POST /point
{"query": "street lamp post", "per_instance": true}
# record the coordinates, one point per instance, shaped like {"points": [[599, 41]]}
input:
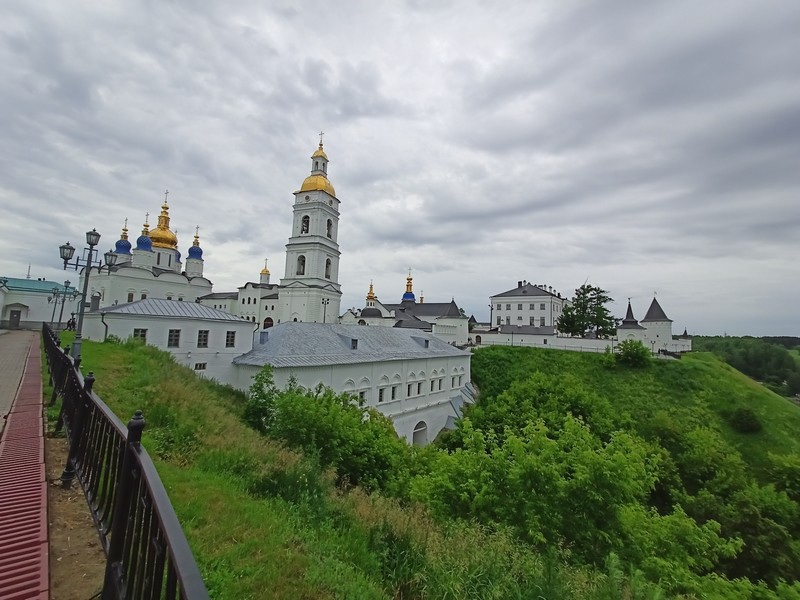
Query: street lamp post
{"points": [[64, 300], [67, 251], [325, 302], [63, 295]]}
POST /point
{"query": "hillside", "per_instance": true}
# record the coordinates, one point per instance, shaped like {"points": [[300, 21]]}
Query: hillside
{"points": [[700, 383], [553, 508]]}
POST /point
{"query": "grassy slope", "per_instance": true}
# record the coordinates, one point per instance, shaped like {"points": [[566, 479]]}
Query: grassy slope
{"points": [[698, 380], [260, 528]]}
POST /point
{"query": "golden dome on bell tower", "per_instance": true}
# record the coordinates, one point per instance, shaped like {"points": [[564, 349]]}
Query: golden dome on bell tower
{"points": [[318, 180]]}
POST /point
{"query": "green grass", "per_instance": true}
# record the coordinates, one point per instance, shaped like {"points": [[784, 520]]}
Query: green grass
{"points": [[266, 522], [699, 386]]}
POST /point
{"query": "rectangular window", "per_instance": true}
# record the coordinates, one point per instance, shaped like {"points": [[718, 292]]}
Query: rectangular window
{"points": [[545, 341], [541, 321], [532, 321], [452, 382], [408, 394], [441, 379], [541, 306], [533, 307], [433, 383], [380, 394], [202, 338], [519, 318], [174, 338], [130, 296], [460, 380], [419, 389], [230, 339], [144, 296], [169, 297], [362, 395], [354, 344], [519, 306], [199, 366], [508, 320], [508, 307], [140, 334], [499, 320], [394, 392], [499, 307]]}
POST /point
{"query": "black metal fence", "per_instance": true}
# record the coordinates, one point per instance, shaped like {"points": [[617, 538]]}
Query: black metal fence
{"points": [[148, 555]]}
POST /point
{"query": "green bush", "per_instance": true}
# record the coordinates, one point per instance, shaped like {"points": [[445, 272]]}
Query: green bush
{"points": [[633, 353], [744, 420]]}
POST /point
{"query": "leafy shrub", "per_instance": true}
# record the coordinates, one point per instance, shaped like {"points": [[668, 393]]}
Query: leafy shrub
{"points": [[633, 353], [744, 420], [112, 339]]}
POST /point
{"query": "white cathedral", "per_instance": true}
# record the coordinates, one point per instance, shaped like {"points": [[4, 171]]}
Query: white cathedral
{"points": [[407, 373]]}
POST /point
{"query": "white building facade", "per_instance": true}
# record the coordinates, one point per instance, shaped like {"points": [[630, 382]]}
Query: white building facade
{"points": [[204, 339], [27, 303], [527, 305], [418, 381]]}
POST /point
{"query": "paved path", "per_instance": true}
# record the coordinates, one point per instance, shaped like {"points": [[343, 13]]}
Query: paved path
{"points": [[14, 347], [23, 486]]}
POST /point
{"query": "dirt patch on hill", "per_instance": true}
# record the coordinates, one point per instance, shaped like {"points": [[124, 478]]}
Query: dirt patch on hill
{"points": [[77, 560]]}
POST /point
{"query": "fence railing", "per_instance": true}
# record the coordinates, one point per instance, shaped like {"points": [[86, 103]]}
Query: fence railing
{"points": [[147, 553]]}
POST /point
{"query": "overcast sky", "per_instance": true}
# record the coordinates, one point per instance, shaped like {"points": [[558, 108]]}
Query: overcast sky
{"points": [[639, 146]]}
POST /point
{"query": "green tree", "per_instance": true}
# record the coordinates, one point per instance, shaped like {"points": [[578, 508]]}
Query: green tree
{"points": [[633, 353], [588, 313]]}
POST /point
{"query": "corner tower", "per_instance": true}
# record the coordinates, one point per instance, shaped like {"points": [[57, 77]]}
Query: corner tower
{"points": [[310, 286]]}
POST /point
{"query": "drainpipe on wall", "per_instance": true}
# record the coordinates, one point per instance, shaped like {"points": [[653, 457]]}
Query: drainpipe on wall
{"points": [[103, 319]]}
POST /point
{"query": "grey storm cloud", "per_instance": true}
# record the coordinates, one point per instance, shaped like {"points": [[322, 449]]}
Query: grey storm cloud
{"points": [[644, 146]]}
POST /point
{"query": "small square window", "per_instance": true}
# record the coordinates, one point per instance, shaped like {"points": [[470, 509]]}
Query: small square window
{"points": [[541, 306], [230, 339], [519, 318], [499, 307], [519, 306], [508, 307], [174, 338], [532, 307], [200, 366], [140, 334], [202, 338], [144, 296]]}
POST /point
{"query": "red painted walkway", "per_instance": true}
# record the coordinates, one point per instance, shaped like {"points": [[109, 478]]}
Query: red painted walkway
{"points": [[24, 567]]}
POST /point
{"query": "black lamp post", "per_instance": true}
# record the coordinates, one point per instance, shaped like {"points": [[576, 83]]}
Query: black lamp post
{"points": [[67, 251], [63, 295], [325, 302]]}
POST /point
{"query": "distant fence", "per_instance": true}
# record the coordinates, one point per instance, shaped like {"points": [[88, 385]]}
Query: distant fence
{"points": [[147, 553]]}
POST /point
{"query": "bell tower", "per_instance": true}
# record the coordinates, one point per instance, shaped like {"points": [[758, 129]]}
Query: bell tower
{"points": [[310, 290]]}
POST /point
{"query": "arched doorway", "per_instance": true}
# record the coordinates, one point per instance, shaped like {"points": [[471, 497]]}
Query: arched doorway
{"points": [[478, 340], [420, 435], [268, 323]]}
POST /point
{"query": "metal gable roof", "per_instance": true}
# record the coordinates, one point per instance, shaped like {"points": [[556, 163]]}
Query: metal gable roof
{"points": [[156, 307], [320, 344]]}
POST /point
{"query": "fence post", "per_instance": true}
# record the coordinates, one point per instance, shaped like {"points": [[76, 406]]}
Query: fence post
{"points": [[122, 510], [79, 416]]}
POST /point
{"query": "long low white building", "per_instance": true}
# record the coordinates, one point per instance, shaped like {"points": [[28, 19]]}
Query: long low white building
{"points": [[417, 380], [202, 338]]}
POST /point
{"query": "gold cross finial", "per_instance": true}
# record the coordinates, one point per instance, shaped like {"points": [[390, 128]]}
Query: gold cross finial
{"points": [[166, 194], [147, 218], [321, 133]]}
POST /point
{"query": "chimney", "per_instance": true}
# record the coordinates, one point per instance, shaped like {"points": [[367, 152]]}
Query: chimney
{"points": [[519, 284]]}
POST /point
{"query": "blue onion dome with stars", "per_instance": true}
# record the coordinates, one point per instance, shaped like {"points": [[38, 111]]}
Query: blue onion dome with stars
{"points": [[123, 245], [195, 251], [143, 242]]}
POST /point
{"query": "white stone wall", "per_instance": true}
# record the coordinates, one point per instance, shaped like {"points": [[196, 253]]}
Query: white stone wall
{"points": [[116, 287], [406, 411], [570, 343], [36, 309], [217, 357]]}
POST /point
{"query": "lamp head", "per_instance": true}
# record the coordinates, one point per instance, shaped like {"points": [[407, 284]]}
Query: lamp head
{"points": [[111, 258], [66, 251], [92, 237]]}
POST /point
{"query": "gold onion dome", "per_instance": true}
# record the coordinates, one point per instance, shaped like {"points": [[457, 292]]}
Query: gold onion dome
{"points": [[317, 182], [319, 153], [371, 293], [265, 270], [161, 235]]}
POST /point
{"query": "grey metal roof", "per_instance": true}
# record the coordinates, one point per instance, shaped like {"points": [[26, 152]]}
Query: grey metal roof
{"points": [[655, 313], [319, 344], [156, 307], [220, 296], [526, 290], [427, 309]]}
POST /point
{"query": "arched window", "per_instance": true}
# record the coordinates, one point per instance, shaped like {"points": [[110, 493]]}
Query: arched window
{"points": [[330, 228], [328, 269], [316, 165], [268, 323], [304, 224], [362, 322], [301, 265]]}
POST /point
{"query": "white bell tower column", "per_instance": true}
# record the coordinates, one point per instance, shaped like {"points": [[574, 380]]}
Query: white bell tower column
{"points": [[310, 290]]}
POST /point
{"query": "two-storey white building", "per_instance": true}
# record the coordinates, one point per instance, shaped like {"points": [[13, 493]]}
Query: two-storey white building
{"points": [[527, 305]]}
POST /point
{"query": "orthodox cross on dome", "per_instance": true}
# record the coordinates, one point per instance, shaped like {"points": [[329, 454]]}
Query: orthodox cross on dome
{"points": [[147, 218], [166, 196], [321, 133]]}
